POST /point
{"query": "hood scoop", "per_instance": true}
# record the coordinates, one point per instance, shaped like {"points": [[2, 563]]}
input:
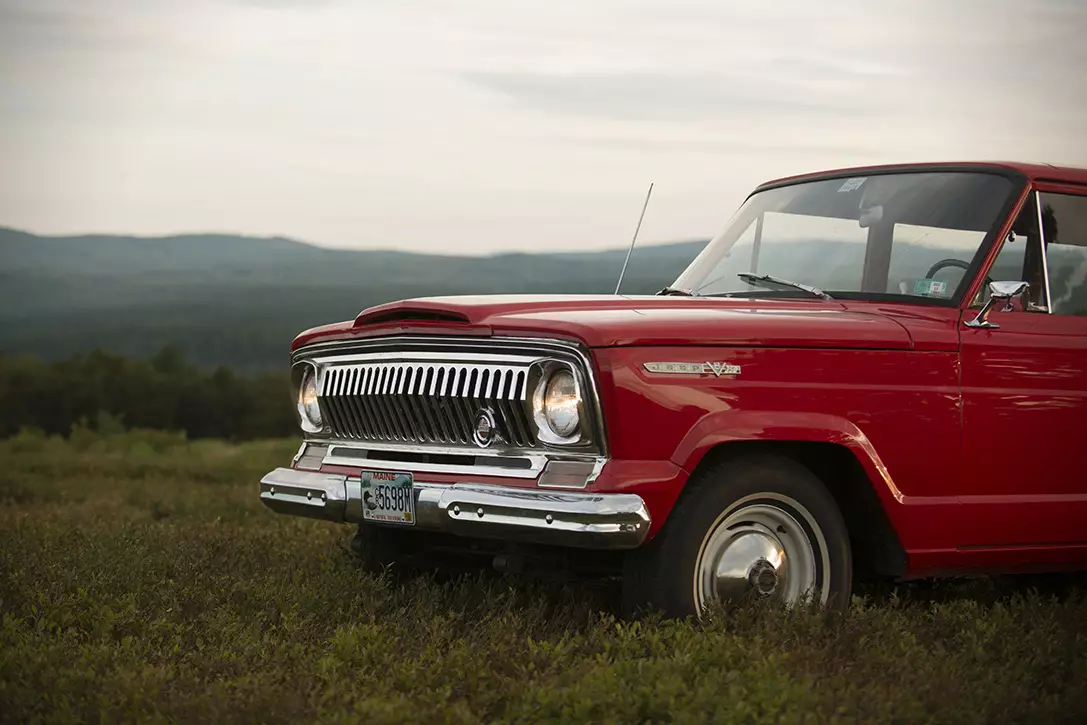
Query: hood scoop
{"points": [[384, 316]]}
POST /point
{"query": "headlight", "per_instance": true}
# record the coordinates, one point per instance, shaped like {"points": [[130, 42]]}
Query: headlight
{"points": [[557, 407], [308, 410], [561, 402]]}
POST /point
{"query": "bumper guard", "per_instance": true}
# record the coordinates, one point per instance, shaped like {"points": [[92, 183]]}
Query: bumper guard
{"points": [[564, 518]]}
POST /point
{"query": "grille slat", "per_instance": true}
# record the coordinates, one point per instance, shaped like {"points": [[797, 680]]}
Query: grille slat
{"points": [[343, 405], [388, 394], [350, 406], [373, 395], [517, 398], [403, 401], [385, 384], [462, 418], [362, 419], [465, 412], [447, 428], [507, 403], [336, 400], [412, 396], [445, 406], [364, 408], [426, 402], [327, 404]]}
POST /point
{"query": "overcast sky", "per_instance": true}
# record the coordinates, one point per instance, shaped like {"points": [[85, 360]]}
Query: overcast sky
{"points": [[485, 125]]}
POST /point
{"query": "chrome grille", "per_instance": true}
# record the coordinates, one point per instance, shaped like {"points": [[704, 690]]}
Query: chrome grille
{"points": [[425, 402]]}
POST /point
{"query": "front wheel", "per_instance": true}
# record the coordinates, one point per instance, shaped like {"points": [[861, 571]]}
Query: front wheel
{"points": [[763, 528], [383, 549]]}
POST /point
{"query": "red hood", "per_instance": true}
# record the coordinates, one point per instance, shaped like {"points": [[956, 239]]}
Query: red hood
{"points": [[611, 321]]}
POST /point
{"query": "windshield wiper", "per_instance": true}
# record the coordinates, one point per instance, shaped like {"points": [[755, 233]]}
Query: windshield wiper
{"points": [[757, 279], [677, 291]]}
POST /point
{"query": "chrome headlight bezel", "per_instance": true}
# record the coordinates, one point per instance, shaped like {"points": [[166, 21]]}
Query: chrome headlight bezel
{"points": [[305, 377], [542, 375]]}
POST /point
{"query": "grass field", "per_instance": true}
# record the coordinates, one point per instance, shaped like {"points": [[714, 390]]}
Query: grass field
{"points": [[141, 580]]}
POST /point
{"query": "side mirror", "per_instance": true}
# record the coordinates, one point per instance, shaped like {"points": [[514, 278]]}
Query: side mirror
{"points": [[1006, 291]]}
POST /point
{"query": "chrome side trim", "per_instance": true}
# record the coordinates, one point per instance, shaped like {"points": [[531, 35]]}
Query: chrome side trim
{"points": [[563, 518], [588, 520], [485, 462], [681, 368]]}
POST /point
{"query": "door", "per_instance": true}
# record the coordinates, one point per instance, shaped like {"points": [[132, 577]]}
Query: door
{"points": [[1024, 388]]}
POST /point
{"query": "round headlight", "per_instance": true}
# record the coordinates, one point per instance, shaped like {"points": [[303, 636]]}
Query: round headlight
{"points": [[308, 408], [561, 403]]}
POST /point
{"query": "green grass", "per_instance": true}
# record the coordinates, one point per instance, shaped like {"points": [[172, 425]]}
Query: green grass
{"points": [[141, 580]]}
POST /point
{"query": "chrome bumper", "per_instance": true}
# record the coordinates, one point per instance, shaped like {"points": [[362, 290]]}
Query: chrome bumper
{"points": [[585, 520]]}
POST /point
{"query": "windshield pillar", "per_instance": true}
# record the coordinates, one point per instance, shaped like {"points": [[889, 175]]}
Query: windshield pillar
{"points": [[756, 244], [877, 257]]}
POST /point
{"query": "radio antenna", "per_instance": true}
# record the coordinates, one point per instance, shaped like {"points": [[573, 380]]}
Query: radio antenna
{"points": [[634, 239]]}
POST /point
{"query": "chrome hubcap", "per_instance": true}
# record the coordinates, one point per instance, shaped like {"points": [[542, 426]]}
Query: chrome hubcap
{"points": [[762, 546], [763, 576]]}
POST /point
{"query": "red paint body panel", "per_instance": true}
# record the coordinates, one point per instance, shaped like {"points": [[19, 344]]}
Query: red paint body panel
{"points": [[968, 437], [828, 396], [610, 321], [1031, 171], [1025, 396]]}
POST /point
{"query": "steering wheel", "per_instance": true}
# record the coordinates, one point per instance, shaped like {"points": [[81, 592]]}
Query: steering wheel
{"points": [[965, 266], [947, 263]]}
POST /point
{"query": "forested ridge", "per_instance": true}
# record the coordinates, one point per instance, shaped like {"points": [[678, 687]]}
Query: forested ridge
{"points": [[108, 393], [238, 301]]}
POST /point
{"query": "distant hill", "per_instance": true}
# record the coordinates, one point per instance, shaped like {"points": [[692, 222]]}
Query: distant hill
{"points": [[238, 301]]}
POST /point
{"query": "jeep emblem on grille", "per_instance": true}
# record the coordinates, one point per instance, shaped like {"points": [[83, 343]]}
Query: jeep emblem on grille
{"points": [[484, 433]]}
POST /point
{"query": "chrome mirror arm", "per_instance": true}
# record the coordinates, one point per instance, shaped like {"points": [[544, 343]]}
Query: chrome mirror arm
{"points": [[1006, 291], [979, 322]]}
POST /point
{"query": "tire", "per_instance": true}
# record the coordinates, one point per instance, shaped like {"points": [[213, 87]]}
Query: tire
{"points": [[382, 550], [744, 513], [403, 554]]}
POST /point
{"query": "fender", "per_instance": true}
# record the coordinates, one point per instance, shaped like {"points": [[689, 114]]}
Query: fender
{"points": [[873, 403], [923, 524], [728, 426]]}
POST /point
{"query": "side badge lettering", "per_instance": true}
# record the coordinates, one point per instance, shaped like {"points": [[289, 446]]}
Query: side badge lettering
{"points": [[682, 368]]}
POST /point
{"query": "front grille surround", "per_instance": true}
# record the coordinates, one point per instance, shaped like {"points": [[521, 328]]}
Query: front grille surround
{"points": [[427, 393], [426, 402]]}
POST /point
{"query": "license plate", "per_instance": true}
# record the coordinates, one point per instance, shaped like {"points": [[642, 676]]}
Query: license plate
{"points": [[387, 497]]}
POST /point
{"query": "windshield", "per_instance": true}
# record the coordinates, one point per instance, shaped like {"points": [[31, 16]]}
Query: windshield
{"points": [[914, 234]]}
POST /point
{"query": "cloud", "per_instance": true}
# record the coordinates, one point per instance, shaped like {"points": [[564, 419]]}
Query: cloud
{"points": [[488, 125], [669, 96], [717, 145]]}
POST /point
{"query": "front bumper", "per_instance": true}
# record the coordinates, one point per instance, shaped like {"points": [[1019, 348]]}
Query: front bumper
{"points": [[565, 518]]}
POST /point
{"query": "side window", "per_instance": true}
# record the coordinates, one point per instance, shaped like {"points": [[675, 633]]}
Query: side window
{"points": [[1064, 222], [1019, 258]]}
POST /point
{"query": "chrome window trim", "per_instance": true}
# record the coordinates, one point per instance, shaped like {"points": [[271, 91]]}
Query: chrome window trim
{"points": [[468, 349], [1045, 250]]}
